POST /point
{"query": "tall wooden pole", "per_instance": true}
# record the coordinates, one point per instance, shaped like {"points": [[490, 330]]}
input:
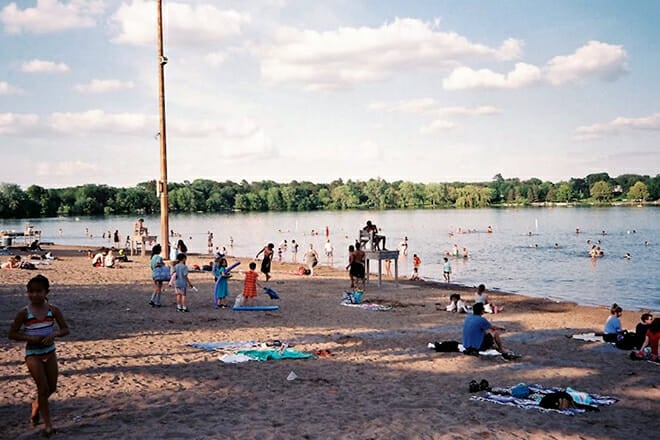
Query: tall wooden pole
{"points": [[162, 183]]}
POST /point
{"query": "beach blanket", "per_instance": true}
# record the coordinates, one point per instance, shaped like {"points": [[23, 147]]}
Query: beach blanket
{"points": [[233, 358], [588, 337], [224, 345], [502, 396], [265, 355], [373, 307]]}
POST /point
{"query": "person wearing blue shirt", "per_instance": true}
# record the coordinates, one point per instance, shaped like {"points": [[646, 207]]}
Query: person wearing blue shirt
{"points": [[613, 324], [479, 334]]}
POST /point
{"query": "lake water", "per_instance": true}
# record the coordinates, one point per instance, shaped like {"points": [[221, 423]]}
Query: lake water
{"points": [[508, 259]]}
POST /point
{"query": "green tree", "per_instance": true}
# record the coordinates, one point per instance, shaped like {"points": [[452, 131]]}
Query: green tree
{"points": [[601, 191], [638, 192], [564, 193]]}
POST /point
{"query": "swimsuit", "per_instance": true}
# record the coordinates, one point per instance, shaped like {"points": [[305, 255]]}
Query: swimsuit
{"points": [[39, 327]]}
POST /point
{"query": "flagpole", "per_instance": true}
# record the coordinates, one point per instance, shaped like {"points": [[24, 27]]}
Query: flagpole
{"points": [[162, 183]]}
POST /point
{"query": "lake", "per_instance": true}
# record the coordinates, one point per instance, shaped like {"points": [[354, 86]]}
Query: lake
{"points": [[509, 259]]}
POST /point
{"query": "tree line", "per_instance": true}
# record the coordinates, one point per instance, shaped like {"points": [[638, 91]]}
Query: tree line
{"points": [[203, 195]]}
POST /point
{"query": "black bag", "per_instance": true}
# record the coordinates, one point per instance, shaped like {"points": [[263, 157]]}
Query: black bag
{"points": [[558, 400], [627, 341], [446, 346]]}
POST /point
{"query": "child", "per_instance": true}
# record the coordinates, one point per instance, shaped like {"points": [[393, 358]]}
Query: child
{"points": [[221, 285], [415, 274], [35, 324], [250, 285], [651, 345], [181, 283], [156, 261], [446, 269], [416, 261], [456, 304]]}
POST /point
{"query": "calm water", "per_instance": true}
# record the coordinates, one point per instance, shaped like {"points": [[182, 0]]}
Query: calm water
{"points": [[508, 259]]}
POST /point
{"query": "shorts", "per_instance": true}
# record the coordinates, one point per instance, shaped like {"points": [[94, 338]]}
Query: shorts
{"points": [[487, 343], [357, 270], [180, 290]]}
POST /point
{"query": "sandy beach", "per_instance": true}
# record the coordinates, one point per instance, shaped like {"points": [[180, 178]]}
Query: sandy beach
{"points": [[127, 372]]}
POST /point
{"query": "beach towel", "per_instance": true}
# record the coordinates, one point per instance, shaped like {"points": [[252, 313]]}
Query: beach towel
{"points": [[502, 396], [588, 337], [224, 345], [265, 355], [234, 358], [373, 307], [491, 352]]}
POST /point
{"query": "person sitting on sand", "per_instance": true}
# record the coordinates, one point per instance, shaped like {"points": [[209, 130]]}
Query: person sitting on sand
{"points": [[481, 297], [109, 260], [14, 262], [642, 327], [651, 346], [479, 334], [613, 324], [456, 304]]}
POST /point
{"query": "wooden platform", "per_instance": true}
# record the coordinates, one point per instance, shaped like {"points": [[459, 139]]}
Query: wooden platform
{"points": [[380, 256]]}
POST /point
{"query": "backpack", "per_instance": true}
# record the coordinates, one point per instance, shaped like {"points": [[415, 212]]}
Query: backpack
{"points": [[446, 346]]}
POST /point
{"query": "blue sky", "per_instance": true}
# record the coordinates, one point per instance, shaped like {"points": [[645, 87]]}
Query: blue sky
{"points": [[427, 91]]}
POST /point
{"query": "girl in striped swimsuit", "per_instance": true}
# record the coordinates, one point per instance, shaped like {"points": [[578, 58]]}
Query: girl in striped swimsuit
{"points": [[35, 324]]}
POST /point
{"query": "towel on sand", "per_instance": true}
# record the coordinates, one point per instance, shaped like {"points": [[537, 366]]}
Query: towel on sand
{"points": [[265, 355], [373, 307], [588, 337], [502, 396], [224, 345]]}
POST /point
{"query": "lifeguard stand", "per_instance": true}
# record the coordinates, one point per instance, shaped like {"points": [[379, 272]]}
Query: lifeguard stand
{"points": [[140, 238]]}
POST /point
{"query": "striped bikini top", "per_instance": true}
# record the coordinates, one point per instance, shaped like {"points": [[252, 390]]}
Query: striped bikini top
{"points": [[39, 327]]}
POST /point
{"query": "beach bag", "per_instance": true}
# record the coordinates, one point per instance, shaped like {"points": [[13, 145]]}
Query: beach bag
{"points": [[520, 391], [446, 346], [558, 400], [626, 341], [161, 273]]}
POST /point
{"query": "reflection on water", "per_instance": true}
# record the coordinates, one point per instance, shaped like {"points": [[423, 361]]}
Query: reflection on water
{"points": [[534, 251]]}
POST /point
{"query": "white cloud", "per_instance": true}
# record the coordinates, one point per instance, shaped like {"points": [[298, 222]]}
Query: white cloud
{"points": [[415, 106], [601, 60], [103, 86], [348, 56], [595, 59], [15, 123], [215, 58], [462, 78], [8, 89], [618, 125], [41, 66], [185, 25], [98, 121], [429, 106], [51, 16], [66, 169], [437, 125]]}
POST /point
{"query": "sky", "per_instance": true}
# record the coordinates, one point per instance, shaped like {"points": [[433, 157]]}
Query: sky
{"points": [[425, 91]]}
